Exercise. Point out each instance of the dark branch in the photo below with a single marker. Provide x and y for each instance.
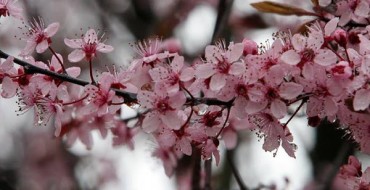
(32, 69)
(224, 8)
(230, 159)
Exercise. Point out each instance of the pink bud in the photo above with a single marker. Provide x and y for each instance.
(250, 47)
(340, 36)
(172, 45)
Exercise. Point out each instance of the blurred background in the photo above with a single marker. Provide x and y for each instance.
(32, 158)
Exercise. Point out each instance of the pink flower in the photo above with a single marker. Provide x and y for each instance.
(172, 76)
(177, 139)
(164, 109)
(209, 148)
(150, 52)
(274, 133)
(78, 128)
(351, 176)
(86, 47)
(308, 49)
(122, 135)
(45, 82)
(8, 85)
(102, 99)
(221, 63)
(8, 8)
(39, 37)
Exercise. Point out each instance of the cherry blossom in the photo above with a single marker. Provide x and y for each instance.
(220, 63)
(164, 109)
(86, 47)
(351, 176)
(39, 37)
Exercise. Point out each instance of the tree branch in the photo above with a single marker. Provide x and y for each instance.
(224, 8)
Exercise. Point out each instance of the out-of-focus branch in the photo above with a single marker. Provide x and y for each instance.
(208, 169)
(230, 160)
(342, 156)
(224, 9)
(195, 181)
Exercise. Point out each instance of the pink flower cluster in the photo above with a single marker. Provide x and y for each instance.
(196, 106)
(350, 176)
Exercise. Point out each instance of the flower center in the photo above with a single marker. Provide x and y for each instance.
(4, 12)
(223, 66)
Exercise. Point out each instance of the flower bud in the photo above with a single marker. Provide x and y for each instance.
(250, 47)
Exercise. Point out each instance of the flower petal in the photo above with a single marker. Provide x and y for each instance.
(76, 56)
(104, 48)
(52, 29)
(290, 57)
(361, 100)
(73, 43)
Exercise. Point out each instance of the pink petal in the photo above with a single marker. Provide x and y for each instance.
(331, 26)
(151, 122)
(290, 57)
(177, 100)
(76, 56)
(158, 74)
(230, 138)
(91, 36)
(362, 9)
(278, 109)
(9, 88)
(235, 52)
(289, 148)
(324, 3)
(177, 63)
(254, 107)
(290, 90)
(172, 120)
(315, 40)
(30, 46)
(52, 29)
(55, 63)
(41, 47)
(361, 100)
(237, 68)
(104, 48)
(73, 43)
(325, 57)
(185, 146)
(7, 64)
(211, 53)
(187, 74)
(73, 71)
(218, 81)
(145, 99)
(204, 71)
(331, 107)
(299, 42)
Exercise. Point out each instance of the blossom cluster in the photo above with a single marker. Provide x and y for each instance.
(193, 106)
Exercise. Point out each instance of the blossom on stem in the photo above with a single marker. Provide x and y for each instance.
(39, 37)
(221, 62)
(86, 47)
(165, 109)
